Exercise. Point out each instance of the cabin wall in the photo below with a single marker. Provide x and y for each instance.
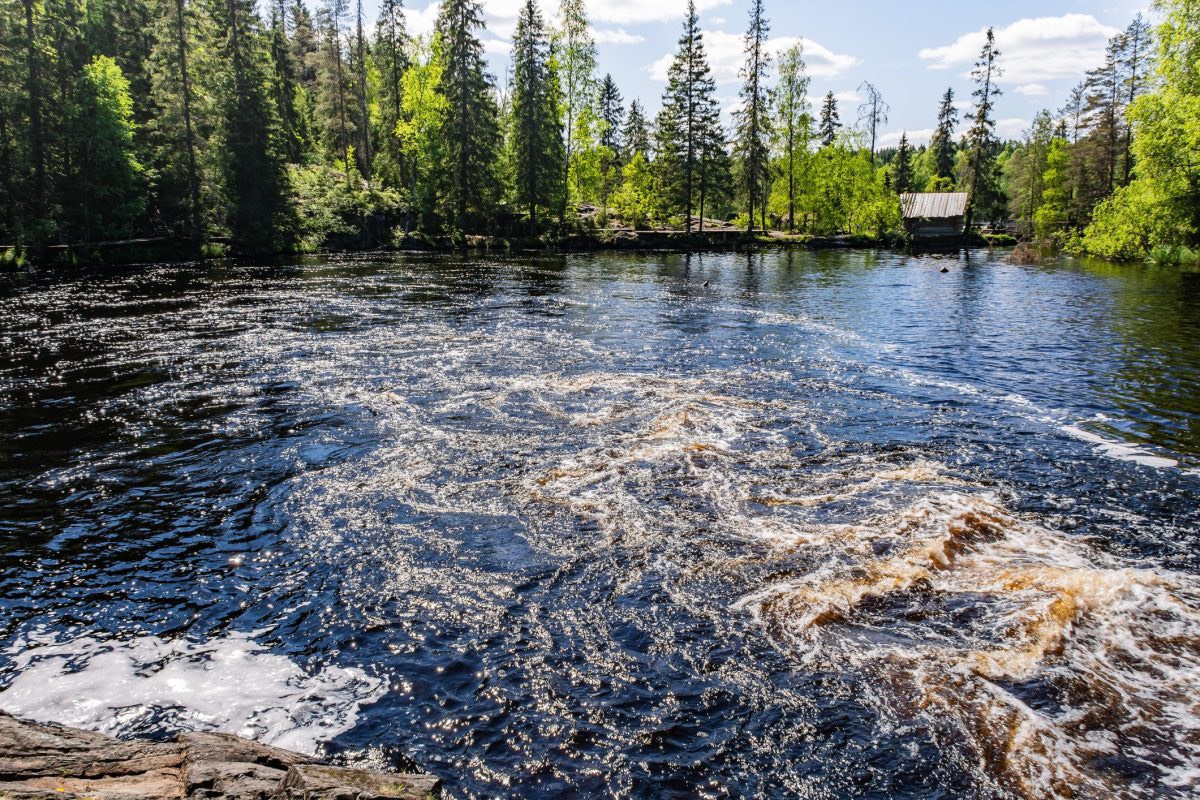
(934, 228)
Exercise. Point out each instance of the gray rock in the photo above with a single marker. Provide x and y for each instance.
(51, 761)
(319, 782)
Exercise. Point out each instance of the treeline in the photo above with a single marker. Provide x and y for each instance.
(304, 128)
(1116, 172)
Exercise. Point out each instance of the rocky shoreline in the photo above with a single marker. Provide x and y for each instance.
(39, 761)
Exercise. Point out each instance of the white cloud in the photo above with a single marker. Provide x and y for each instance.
(915, 138)
(497, 47)
(1032, 90)
(726, 56)
(421, 21)
(846, 97)
(617, 36)
(635, 12)
(1032, 50)
(1011, 128)
(716, 20)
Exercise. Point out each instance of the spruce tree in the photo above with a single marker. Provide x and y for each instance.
(359, 70)
(470, 127)
(612, 115)
(683, 120)
(981, 138)
(902, 180)
(752, 118)
(942, 142)
(259, 215)
(333, 116)
(390, 61)
(635, 137)
(180, 125)
(285, 82)
(830, 124)
(537, 142)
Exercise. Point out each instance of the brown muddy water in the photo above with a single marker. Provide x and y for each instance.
(816, 525)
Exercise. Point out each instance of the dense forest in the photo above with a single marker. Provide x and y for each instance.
(295, 128)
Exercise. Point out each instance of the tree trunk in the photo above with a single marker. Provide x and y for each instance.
(193, 178)
(37, 141)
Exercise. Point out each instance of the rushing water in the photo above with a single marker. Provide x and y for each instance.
(792, 525)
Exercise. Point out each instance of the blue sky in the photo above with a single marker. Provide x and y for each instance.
(911, 57)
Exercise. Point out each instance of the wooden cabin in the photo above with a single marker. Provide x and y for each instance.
(934, 216)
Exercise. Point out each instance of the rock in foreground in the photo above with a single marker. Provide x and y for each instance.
(51, 761)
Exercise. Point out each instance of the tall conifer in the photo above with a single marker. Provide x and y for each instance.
(470, 127)
(537, 142)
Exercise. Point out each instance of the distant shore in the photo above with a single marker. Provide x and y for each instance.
(168, 250)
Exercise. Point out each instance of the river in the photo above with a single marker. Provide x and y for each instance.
(815, 525)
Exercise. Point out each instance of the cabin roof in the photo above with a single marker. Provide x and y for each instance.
(944, 205)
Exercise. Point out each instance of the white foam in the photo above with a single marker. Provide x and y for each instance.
(1122, 451)
(229, 684)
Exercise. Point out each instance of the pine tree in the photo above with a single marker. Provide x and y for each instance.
(1135, 60)
(793, 127)
(752, 118)
(537, 142)
(942, 142)
(682, 121)
(1104, 114)
(470, 127)
(827, 130)
(981, 137)
(636, 135)
(903, 170)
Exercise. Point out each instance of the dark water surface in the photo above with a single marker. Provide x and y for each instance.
(793, 525)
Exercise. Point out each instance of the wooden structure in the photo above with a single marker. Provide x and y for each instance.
(934, 216)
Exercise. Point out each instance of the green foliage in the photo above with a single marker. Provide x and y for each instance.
(753, 120)
(336, 213)
(422, 114)
(634, 201)
(942, 147)
(686, 124)
(110, 177)
(468, 185)
(537, 139)
(830, 124)
(1160, 209)
(1053, 215)
(792, 131)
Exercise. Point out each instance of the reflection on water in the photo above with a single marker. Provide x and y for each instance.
(785, 525)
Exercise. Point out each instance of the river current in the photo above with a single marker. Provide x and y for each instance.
(812, 525)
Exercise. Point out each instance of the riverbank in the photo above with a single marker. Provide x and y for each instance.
(42, 761)
(161, 250)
